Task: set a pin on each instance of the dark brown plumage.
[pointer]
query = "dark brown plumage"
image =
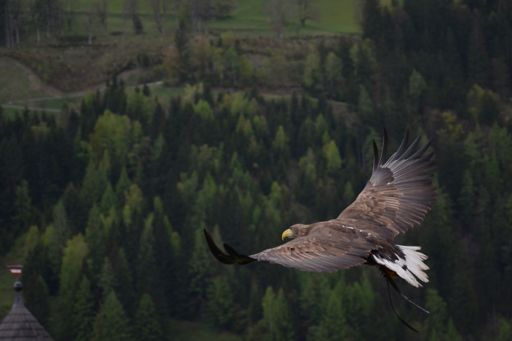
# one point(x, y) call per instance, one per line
point(396, 198)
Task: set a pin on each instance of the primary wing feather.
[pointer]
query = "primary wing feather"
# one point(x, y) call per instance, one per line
point(399, 193)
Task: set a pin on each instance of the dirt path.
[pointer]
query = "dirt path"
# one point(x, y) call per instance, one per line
point(23, 107)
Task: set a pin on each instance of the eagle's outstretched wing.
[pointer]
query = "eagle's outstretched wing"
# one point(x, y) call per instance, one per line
point(399, 193)
point(328, 247)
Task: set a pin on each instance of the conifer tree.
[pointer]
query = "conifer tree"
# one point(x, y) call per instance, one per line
point(123, 280)
point(200, 267)
point(148, 276)
point(221, 309)
point(107, 278)
point(83, 311)
point(440, 325)
point(276, 315)
point(35, 291)
point(70, 275)
point(147, 321)
point(111, 322)
point(332, 157)
point(95, 238)
point(24, 212)
point(181, 40)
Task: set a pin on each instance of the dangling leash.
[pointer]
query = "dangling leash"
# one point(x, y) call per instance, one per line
point(391, 282)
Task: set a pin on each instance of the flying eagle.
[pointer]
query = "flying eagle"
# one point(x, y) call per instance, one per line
point(395, 199)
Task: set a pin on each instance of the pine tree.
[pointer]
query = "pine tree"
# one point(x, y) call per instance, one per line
point(24, 212)
point(276, 315)
point(333, 73)
point(147, 270)
point(123, 281)
point(280, 142)
point(95, 238)
point(93, 184)
point(478, 58)
point(200, 267)
point(440, 325)
point(365, 106)
point(122, 185)
point(107, 279)
point(147, 321)
point(504, 330)
point(61, 224)
point(181, 40)
point(108, 199)
point(83, 311)
point(35, 290)
point(70, 275)
point(467, 199)
point(111, 322)
point(221, 309)
point(72, 262)
point(333, 323)
point(312, 75)
point(332, 157)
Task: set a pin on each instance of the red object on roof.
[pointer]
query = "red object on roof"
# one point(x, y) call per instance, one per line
point(16, 270)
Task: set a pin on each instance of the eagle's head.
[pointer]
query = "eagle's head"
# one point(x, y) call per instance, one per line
point(297, 230)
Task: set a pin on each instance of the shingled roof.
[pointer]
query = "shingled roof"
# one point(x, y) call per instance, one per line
point(20, 324)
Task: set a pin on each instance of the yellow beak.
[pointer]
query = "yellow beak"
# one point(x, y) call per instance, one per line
point(286, 234)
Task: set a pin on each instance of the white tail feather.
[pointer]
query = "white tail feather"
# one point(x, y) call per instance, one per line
point(410, 267)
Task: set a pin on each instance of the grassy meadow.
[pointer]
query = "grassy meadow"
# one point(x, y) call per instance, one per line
point(249, 16)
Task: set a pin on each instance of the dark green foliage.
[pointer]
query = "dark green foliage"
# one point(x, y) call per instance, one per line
point(276, 315)
point(111, 322)
point(440, 326)
point(122, 195)
point(36, 299)
point(147, 321)
point(181, 40)
point(82, 315)
point(222, 310)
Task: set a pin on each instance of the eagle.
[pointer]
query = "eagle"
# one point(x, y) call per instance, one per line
point(396, 198)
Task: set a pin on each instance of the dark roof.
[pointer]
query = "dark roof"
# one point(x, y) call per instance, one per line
point(21, 325)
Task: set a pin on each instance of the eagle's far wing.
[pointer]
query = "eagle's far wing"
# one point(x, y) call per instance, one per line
point(399, 193)
point(323, 250)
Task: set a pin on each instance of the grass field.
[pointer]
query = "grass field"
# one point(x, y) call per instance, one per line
point(249, 16)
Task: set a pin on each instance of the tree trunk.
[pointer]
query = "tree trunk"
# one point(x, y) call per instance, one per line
point(17, 32)
point(6, 23)
point(89, 29)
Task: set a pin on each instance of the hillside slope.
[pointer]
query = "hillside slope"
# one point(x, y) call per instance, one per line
point(19, 82)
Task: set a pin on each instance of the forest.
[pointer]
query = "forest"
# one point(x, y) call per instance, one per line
point(105, 204)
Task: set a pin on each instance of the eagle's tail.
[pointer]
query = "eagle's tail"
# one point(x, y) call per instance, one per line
point(410, 265)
